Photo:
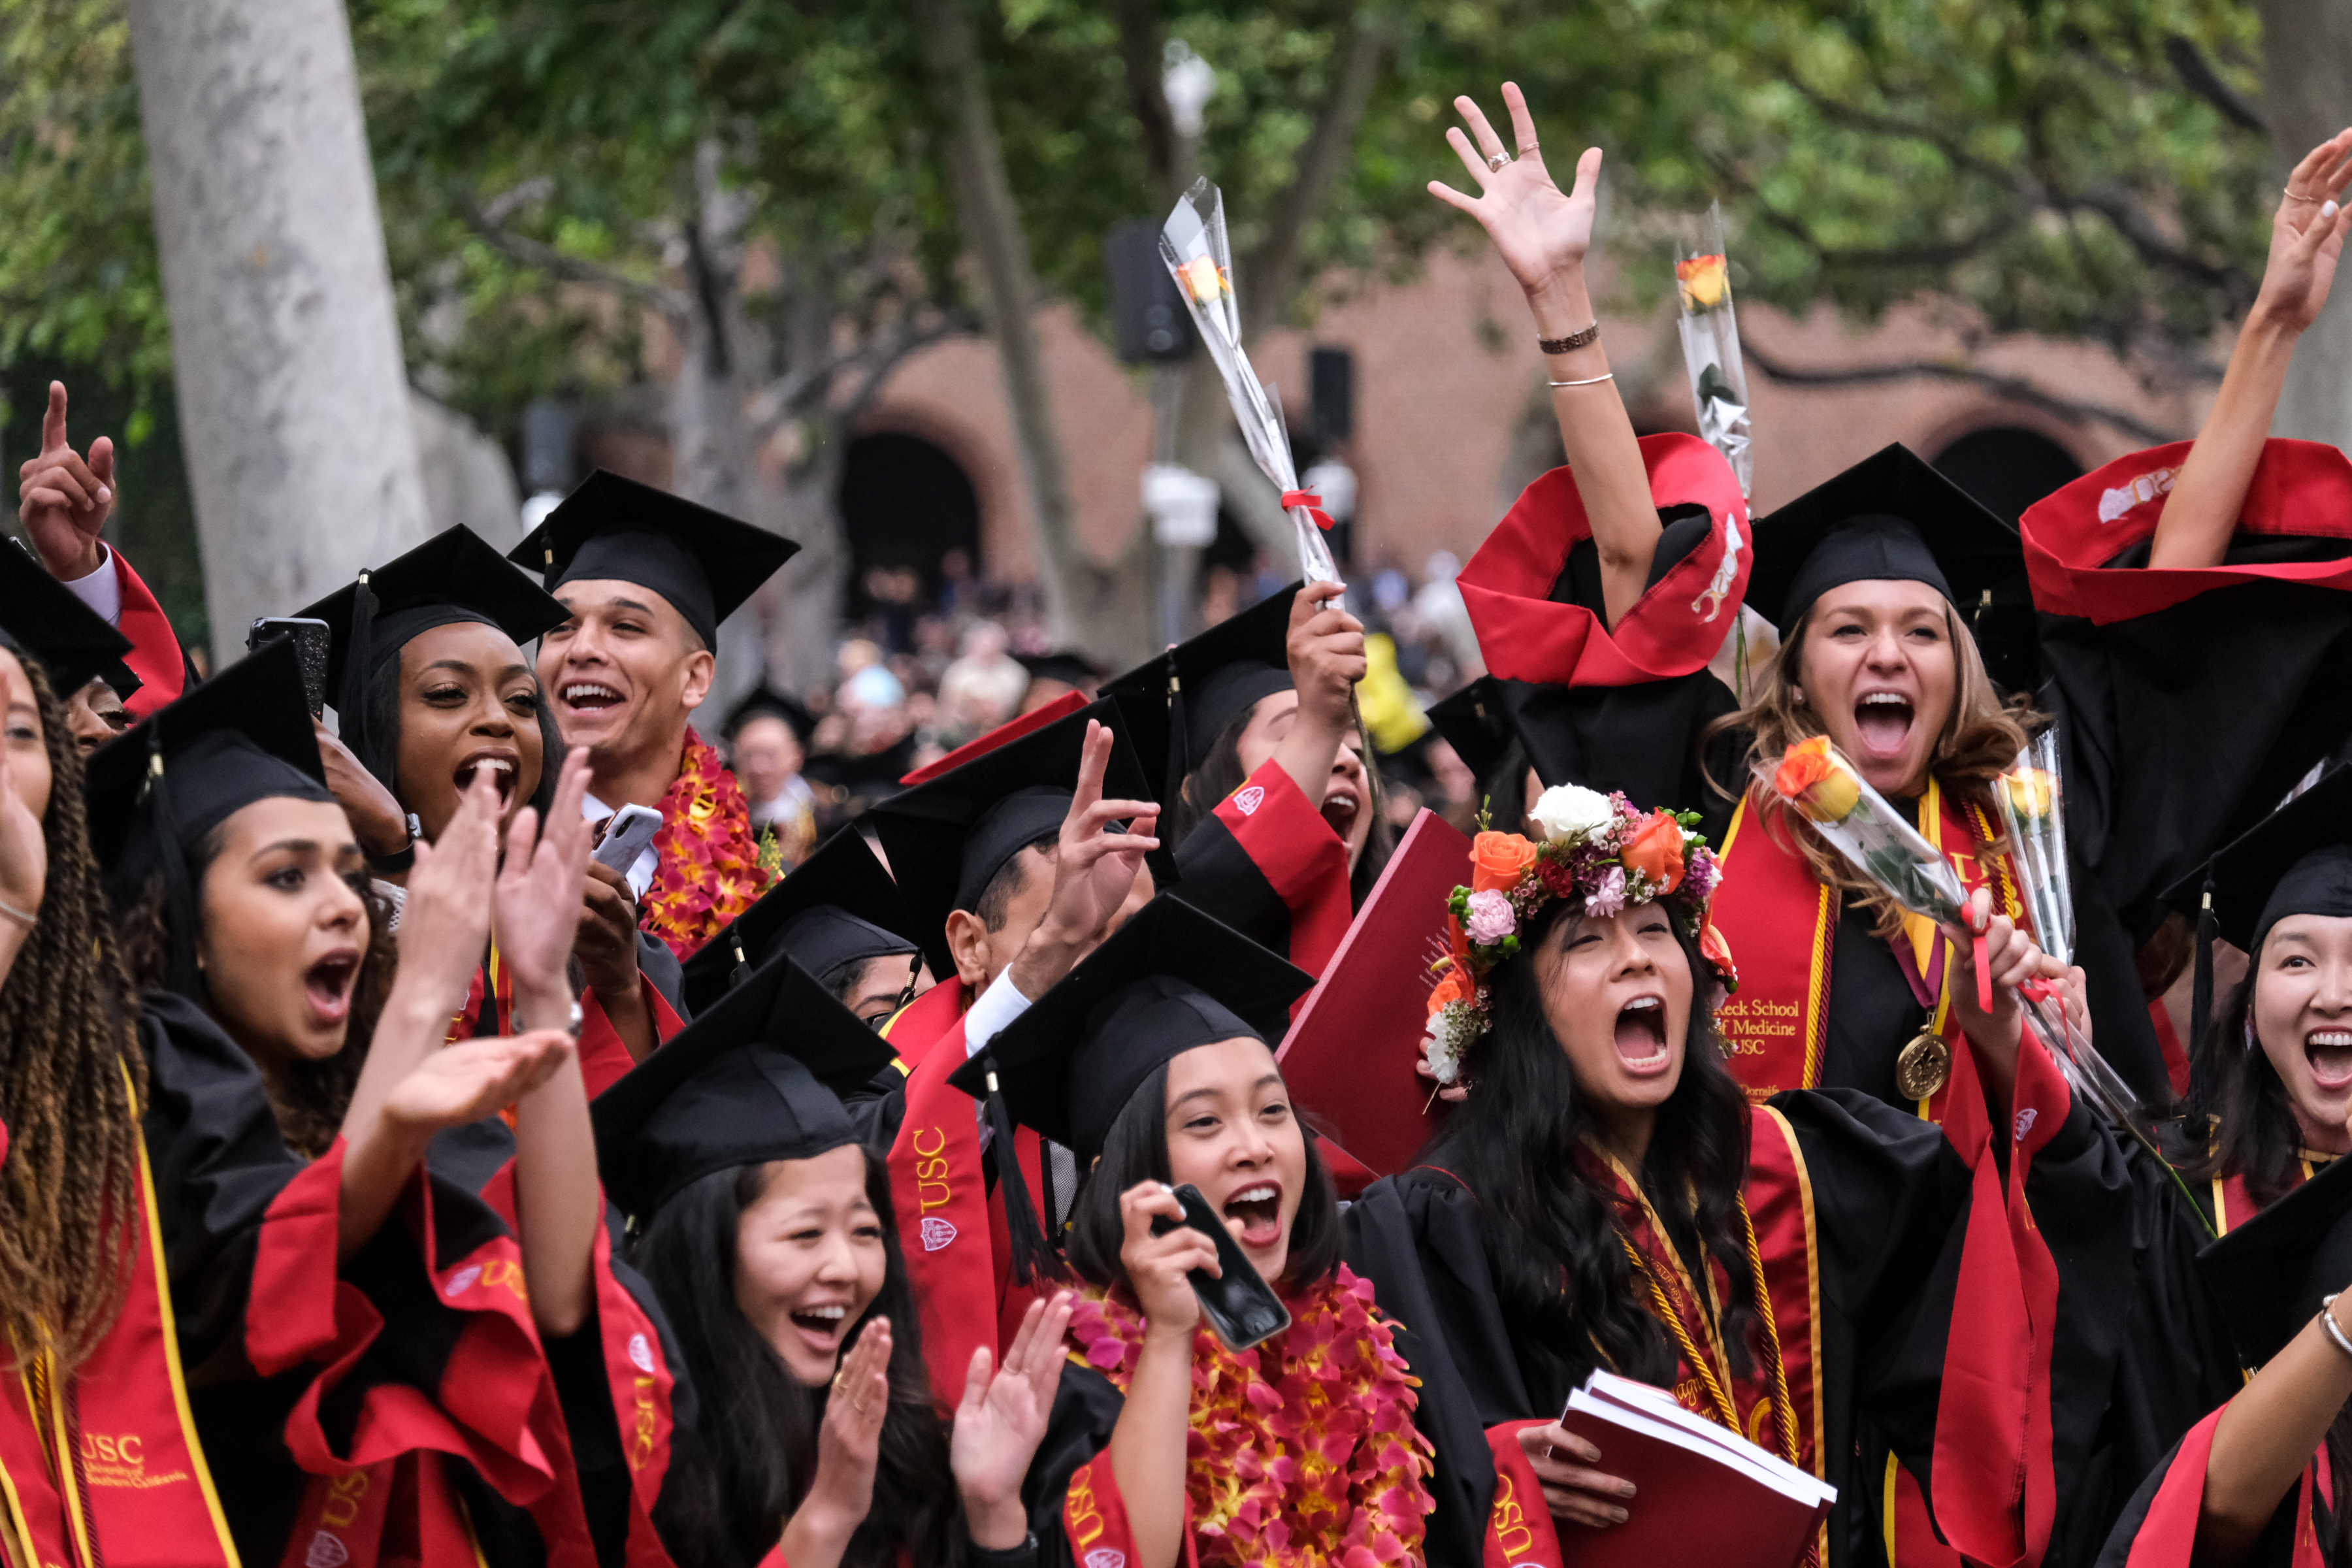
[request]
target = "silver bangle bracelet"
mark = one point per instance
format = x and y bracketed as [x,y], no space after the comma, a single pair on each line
[2327,1322]
[1588,381]
[27,921]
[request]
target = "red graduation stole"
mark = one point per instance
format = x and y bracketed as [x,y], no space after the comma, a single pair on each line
[1782,924]
[941,1195]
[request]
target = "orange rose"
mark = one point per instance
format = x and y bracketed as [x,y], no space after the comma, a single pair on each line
[1814,779]
[1718,952]
[1498,861]
[1654,848]
[1454,987]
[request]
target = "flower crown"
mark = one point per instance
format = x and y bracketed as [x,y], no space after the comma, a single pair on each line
[1596,848]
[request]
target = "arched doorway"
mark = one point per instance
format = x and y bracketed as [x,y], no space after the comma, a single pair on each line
[2007,468]
[905,503]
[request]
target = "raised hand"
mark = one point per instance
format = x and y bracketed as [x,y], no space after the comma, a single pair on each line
[1324,646]
[847,1445]
[539,885]
[1001,1420]
[467,1081]
[1158,1265]
[64,499]
[2308,236]
[445,925]
[1542,234]
[1094,870]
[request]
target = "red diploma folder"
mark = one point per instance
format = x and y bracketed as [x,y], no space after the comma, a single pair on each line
[1701,1494]
[1348,1057]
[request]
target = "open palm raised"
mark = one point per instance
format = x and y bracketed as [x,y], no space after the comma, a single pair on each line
[1541,232]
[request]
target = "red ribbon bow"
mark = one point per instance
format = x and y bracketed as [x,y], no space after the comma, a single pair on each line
[1312,502]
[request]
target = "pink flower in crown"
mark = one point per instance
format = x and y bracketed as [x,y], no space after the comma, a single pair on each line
[1491,918]
[1608,898]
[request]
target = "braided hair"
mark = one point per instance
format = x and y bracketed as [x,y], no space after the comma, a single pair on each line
[72,1078]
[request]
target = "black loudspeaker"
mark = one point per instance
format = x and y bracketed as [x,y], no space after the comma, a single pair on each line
[1331,380]
[1146,309]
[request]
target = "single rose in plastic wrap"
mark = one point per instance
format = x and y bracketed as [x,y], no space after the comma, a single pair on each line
[1655,847]
[1608,896]
[2030,791]
[1566,812]
[1491,919]
[1816,779]
[1704,279]
[1497,861]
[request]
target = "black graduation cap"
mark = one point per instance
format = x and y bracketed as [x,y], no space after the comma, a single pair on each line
[946,838]
[1477,724]
[765,698]
[1179,701]
[1169,979]
[704,563]
[156,791]
[42,618]
[1892,516]
[2269,1274]
[759,1077]
[836,907]
[1066,665]
[452,577]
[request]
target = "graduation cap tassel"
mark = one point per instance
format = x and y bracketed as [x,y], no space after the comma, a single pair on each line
[742,970]
[2200,1012]
[182,975]
[1177,747]
[1033,1255]
[350,698]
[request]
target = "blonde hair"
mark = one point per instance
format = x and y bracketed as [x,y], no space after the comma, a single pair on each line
[1982,736]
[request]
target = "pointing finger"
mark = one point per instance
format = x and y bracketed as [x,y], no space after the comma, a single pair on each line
[53,419]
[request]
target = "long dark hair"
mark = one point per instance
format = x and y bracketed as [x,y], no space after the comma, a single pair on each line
[308,1098]
[1220,772]
[1568,1290]
[72,1078]
[1135,1149]
[760,1424]
[383,720]
[2254,1136]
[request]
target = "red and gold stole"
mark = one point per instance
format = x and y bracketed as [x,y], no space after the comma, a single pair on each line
[1782,924]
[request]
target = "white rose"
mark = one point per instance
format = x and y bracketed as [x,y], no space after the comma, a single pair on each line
[1566,812]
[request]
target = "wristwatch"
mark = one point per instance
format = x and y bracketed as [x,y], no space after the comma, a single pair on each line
[402,858]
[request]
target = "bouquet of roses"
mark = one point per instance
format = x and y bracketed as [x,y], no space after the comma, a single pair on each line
[2033,815]
[1711,343]
[1595,849]
[1193,244]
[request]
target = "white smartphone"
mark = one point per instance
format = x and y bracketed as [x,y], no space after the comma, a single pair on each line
[632,828]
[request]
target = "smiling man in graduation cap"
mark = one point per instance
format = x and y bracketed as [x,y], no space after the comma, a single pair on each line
[647,577]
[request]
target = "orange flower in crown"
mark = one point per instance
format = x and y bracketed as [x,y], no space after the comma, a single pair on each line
[1499,860]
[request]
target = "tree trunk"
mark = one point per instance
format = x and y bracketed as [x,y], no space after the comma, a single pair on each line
[991,226]
[2306,70]
[294,406]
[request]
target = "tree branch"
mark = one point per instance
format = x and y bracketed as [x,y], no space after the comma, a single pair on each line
[1273,268]
[2016,389]
[570,268]
[2198,75]
[1143,45]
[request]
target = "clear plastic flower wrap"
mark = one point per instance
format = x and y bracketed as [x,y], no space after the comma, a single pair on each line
[1193,244]
[2031,802]
[1814,777]
[1710,329]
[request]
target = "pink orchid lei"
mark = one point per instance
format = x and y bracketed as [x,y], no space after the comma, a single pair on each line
[1303,1451]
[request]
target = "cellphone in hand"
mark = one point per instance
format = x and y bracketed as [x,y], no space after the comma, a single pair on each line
[311,639]
[632,828]
[1239,1304]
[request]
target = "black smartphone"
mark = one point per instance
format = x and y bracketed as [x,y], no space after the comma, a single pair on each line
[1240,1305]
[311,638]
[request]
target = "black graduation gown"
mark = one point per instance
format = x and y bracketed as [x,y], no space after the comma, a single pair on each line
[1891,1199]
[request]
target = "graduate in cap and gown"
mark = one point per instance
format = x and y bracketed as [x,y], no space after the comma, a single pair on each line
[432,689]
[840,917]
[235,1238]
[1251,725]
[1012,866]
[65,500]
[807,1432]
[83,655]
[1153,1062]
[646,578]
[767,739]
[1811,1273]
